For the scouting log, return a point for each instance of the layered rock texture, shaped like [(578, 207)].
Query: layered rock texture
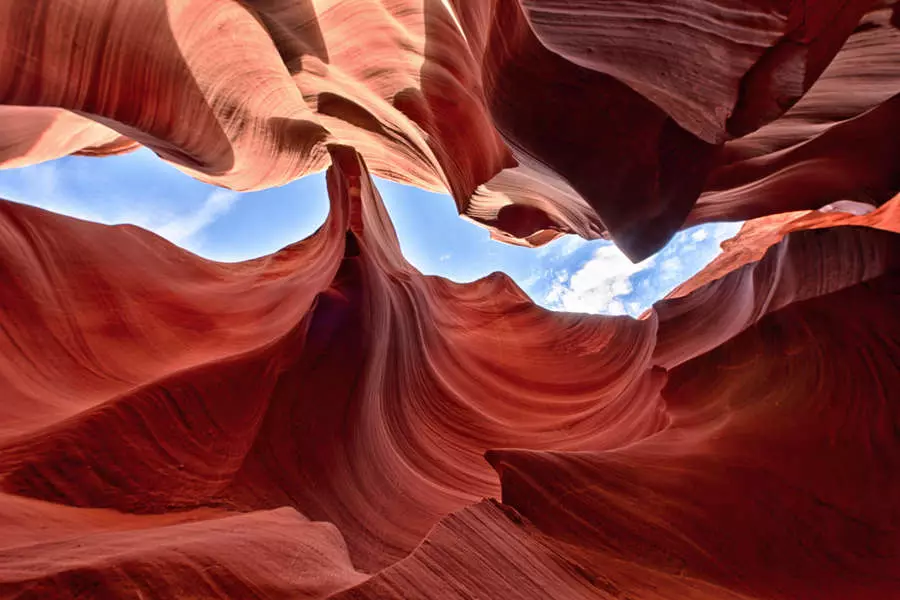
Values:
[(538, 116), (326, 422)]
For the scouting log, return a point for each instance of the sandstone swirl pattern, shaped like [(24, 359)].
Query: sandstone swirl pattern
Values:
[(538, 116), (326, 422)]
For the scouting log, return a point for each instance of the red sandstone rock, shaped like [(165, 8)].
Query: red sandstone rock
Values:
[(538, 116), (167, 416), (776, 477), (315, 423), (33, 135), (283, 361)]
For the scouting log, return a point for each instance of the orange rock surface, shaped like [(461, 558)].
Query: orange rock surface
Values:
[(326, 422), (300, 423), (538, 116)]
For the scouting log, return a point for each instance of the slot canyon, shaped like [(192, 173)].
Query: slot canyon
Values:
[(326, 422)]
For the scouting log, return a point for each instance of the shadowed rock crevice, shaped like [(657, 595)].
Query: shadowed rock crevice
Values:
[(346, 388), (611, 121), (327, 422)]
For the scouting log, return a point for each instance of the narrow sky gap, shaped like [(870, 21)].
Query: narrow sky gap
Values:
[(568, 274)]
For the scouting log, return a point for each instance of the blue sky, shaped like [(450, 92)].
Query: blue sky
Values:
[(567, 274)]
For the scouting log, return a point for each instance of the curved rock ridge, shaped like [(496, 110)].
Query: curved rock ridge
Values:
[(199, 554), (773, 262), (790, 458), (775, 475), (329, 377), (540, 117), (314, 423), (32, 135)]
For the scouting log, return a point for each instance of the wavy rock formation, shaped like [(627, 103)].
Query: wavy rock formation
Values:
[(326, 422), (33, 135), (315, 422), (644, 107)]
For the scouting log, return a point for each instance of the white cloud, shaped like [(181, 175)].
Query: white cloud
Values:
[(723, 231), (529, 281), (670, 268), (41, 186), (571, 244), (598, 285), (699, 235), (561, 247), (444, 257), (183, 228)]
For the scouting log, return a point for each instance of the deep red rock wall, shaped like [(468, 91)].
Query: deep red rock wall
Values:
[(186, 408), (538, 116), (326, 421)]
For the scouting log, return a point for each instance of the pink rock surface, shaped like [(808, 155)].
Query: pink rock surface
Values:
[(168, 416), (538, 116), (326, 422)]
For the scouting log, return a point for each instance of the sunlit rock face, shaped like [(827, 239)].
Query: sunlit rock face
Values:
[(326, 419), (538, 116), (326, 422)]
